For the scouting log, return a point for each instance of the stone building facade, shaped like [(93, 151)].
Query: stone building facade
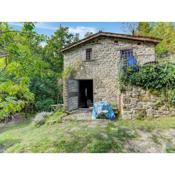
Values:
[(104, 66)]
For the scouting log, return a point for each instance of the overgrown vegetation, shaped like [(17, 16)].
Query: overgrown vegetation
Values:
[(163, 30), (31, 68), (71, 70), (155, 77), (31, 65), (152, 76)]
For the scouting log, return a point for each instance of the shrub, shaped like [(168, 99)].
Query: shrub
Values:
[(40, 118), (152, 76), (44, 104), (68, 72), (155, 77)]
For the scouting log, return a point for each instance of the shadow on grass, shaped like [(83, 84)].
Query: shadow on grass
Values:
[(11, 126), (7, 143), (95, 140)]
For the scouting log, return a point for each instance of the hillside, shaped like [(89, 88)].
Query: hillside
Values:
[(78, 133)]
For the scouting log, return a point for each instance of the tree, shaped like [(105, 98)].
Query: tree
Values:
[(48, 89), (143, 28), (88, 34), (165, 31), (130, 27), (52, 51), (76, 37), (19, 63)]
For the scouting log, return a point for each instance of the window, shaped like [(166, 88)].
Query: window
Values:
[(124, 56), (88, 54)]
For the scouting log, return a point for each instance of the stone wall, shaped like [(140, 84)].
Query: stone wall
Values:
[(138, 103), (104, 66)]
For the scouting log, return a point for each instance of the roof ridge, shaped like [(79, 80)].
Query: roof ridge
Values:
[(110, 34), (139, 36)]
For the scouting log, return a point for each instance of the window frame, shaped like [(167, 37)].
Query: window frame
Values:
[(124, 54), (88, 54)]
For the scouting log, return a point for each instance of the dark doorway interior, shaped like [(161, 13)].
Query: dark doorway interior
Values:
[(85, 93)]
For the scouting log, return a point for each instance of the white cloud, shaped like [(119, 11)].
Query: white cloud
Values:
[(43, 25), (82, 30), (79, 29)]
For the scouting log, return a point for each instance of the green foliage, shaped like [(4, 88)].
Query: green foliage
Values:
[(68, 71), (47, 92), (56, 117), (48, 88), (13, 97), (155, 77), (165, 31), (52, 51), (72, 70), (144, 28), (162, 30), (44, 104), (29, 72), (170, 150), (21, 63)]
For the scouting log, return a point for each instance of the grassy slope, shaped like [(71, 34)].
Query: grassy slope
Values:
[(75, 136), (162, 123)]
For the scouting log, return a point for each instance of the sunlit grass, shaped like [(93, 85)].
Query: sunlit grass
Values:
[(152, 123), (76, 136)]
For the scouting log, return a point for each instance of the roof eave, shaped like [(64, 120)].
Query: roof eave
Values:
[(113, 35)]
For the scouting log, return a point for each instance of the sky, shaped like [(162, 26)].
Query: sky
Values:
[(48, 28)]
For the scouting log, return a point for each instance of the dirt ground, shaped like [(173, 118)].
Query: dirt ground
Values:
[(147, 141), (153, 141)]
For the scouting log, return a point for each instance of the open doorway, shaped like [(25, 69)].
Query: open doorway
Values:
[(85, 93)]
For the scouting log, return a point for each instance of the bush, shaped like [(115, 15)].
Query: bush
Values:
[(155, 77), (152, 76), (44, 104), (40, 118)]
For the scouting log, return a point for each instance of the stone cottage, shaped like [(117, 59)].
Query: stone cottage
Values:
[(97, 61)]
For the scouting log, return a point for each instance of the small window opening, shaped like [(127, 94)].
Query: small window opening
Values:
[(125, 54), (88, 54), (139, 43)]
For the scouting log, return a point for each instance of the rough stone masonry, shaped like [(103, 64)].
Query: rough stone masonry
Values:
[(140, 103), (104, 67)]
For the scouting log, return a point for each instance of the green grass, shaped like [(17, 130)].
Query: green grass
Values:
[(170, 150), (154, 123), (75, 136), (67, 137)]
